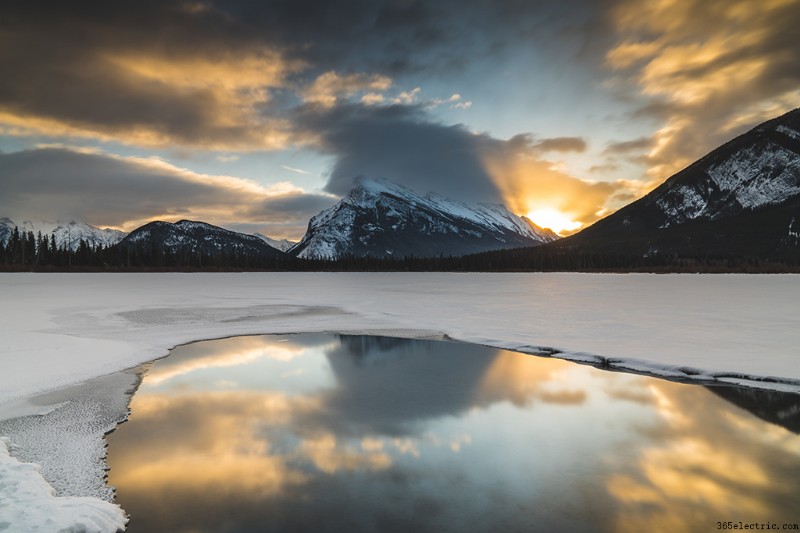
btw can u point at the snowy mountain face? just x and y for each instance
(381, 219)
(69, 233)
(743, 198)
(283, 244)
(760, 168)
(197, 237)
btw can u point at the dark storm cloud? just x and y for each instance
(144, 72)
(398, 143)
(292, 208)
(401, 36)
(109, 190)
(221, 75)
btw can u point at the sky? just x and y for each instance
(256, 115)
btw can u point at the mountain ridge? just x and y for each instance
(190, 236)
(742, 198)
(378, 218)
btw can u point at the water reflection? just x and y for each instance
(351, 433)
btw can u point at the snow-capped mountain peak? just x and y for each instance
(759, 168)
(383, 219)
(70, 233)
(282, 244)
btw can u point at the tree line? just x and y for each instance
(25, 251)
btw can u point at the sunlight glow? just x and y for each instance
(553, 219)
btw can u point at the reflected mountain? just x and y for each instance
(774, 407)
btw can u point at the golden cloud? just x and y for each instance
(711, 69)
(330, 87)
(530, 183)
(194, 82)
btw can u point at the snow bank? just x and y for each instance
(28, 504)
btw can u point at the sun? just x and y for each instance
(553, 219)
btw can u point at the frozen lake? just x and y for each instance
(60, 330)
(358, 433)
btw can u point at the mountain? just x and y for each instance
(283, 244)
(70, 233)
(382, 219)
(740, 200)
(190, 237)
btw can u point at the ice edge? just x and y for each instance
(681, 373)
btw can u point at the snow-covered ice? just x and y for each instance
(66, 437)
(29, 505)
(61, 329)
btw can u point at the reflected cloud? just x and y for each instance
(236, 352)
(708, 456)
(466, 436)
(331, 456)
(513, 378)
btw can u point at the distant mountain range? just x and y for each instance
(66, 233)
(382, 219)
(739, 202)
(168, 235)
(283, 244)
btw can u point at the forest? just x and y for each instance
(26, 251)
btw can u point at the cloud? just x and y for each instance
(529, 181)
(296, 170)
(127, 191)
(147, 74)
(223, 75)
(561, 144)
(400, 144)
(330, 87)
(707, 69)
(626, 147)
(295, 207)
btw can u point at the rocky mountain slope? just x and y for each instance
(742, 199)
(188, 236)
